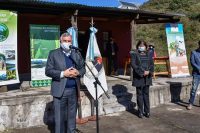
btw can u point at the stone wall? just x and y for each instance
(34, 106)
(123, 95)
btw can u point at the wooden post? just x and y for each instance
(133, 40)
(74, 21)
(79, 120)
(133, 34)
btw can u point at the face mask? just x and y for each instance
(142, 49)
(65, 46)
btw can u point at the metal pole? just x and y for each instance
(97, 109)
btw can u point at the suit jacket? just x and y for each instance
(109, 49)
(138, 72)
(56, 64)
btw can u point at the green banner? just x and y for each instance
(43, 38)
(8, 48)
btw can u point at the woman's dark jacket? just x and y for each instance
(140, 64)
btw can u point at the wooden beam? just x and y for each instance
(123, 20)
(64, 15)
(157, 21)
(133, 34)
(95, 18)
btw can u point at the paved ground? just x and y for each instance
(170, 118)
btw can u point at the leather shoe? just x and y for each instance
(140, 115)
(189, 107)
(147, 115)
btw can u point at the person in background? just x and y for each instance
(143, 68)
(112, 50)
(65, 67)
(152, 52)
(195, 63)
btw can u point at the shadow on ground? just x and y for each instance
(124, 98)
(175, 90)
(48, 117)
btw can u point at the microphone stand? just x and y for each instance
(97, 82)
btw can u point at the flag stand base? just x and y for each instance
(92, 118)
(81, 120)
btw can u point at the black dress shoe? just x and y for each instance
(147, 115)
(140, 115)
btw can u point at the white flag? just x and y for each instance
(95, 62)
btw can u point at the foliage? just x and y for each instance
(155, 33)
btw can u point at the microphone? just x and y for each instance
(72, 47)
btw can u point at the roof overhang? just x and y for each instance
(140, 16)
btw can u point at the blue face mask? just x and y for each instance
(142, 49)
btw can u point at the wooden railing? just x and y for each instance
(127, 62)
(158, 62)
(164, 61)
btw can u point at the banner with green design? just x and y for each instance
(8, 48)
(43, 38)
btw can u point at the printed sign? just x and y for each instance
(43, 38)
(8, 48)
(177, 51)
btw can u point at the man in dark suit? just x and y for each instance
(112, 50)
(65, 66)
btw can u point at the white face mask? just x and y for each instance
(65, 46)
(142, 49)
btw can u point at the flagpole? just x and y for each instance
(92, 22)
(97, 82)
(80, 119)
(96, 78)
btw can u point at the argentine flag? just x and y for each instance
(95, 62)
(73, 32)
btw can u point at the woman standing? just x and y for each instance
(143, 68)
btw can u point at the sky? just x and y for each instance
(110, 3)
